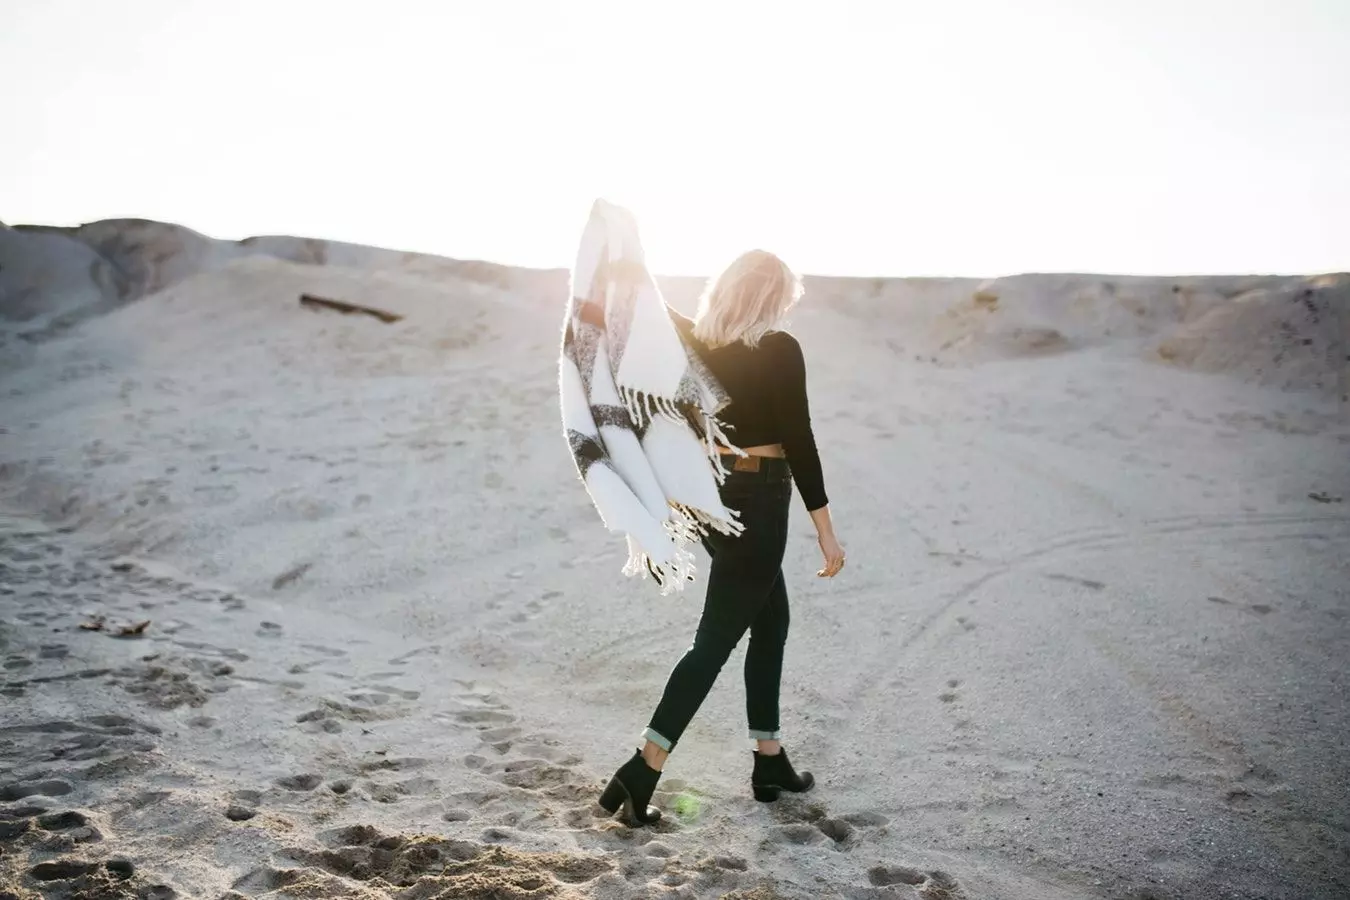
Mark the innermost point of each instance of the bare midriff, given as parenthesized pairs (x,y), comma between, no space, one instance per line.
(773,451)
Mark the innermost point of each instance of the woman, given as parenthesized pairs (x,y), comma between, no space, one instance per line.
(763,371)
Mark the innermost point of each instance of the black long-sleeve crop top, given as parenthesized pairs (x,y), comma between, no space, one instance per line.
(767,386)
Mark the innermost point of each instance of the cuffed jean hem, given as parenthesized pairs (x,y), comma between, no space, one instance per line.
(765,735)
(657,738)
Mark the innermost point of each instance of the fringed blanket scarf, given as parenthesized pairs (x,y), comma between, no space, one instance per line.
(639,407)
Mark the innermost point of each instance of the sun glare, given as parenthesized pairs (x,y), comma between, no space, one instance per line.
(976,138)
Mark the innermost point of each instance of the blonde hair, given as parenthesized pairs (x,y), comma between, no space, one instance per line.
(747,300)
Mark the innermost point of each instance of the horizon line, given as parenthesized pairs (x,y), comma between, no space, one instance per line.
(44,227)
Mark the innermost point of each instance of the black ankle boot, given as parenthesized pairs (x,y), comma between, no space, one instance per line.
(774,774)
(632,787)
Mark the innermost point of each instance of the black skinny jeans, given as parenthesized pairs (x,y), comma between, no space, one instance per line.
(745,593)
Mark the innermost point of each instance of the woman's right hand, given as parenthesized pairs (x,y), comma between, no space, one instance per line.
(829,544)
(833,552)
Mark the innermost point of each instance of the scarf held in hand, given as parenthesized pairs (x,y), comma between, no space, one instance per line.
(639,407)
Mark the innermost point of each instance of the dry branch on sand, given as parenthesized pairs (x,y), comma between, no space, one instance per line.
(312,300)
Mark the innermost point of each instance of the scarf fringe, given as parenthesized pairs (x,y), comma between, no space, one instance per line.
(703,521)
(644,407)
(686,525)
(715,435)
(672,574)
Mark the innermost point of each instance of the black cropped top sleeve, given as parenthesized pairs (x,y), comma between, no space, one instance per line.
(767,386)
(792,413)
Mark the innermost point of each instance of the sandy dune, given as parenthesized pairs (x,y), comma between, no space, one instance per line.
(1091,643)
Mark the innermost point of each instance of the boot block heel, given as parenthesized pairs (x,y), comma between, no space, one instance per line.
(766,793)
(774,774)
(614,796)
(631,789)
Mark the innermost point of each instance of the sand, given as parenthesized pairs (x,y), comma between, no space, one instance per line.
(1091,642)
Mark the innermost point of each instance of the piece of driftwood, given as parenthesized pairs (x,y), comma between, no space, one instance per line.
(344,307)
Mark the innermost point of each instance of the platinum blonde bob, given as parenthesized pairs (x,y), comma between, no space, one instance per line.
(747,300)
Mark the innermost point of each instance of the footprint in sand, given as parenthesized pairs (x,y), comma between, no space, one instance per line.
(61,870)
(302,782)
(797,834)
(485,718)
(237,812)
(950,695)
(393,793)
(841,832)
(394,764)
(48,832)
(487,714)
(555,782)
(246,797)
(883,876)
(211,650)
(15,823)
(394,692)
(867,819)
(432,650)
(168,684)
(319,720)
(935,885)
(326,651)
(812,824)
(532,609)
(499,735)
(21,789)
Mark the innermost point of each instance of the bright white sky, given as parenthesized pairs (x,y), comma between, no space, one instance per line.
(882,137)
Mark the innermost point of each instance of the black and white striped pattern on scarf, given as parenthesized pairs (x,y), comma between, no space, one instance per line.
(638,407)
